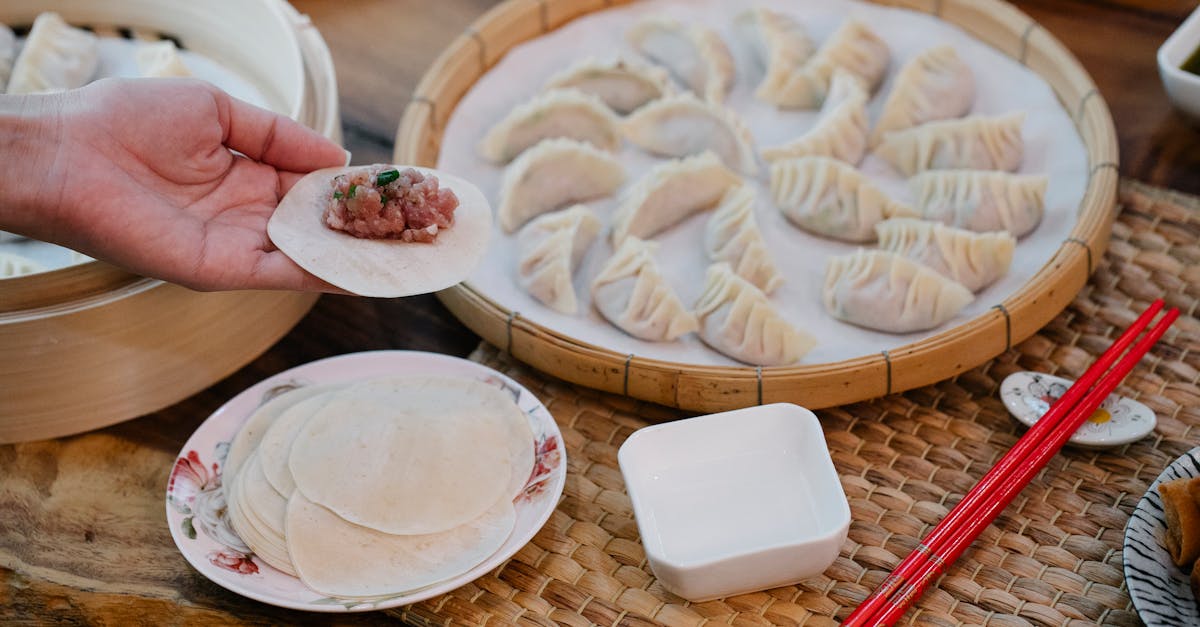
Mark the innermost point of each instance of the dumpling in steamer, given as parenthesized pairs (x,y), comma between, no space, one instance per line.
(566,113)
(827,197)
(695,54)
(853,47)
(780,45)
(552,175)
(732,235)
(738,320)
(669,193)
(620,84)
(883,291)
(682,125)
(981,201)
(549,249)
(972,143)
(974,259)
(8,54)
(12,265)
(55,57)
(841,129)
(160,59)
(934,85)
(632,294)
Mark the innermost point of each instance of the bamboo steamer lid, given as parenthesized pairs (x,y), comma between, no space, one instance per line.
(89,345)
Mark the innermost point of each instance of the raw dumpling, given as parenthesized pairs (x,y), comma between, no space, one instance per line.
(552,175)
(934,85)
(696,55)
(15,265)
(8,54)
(732,235)
(738,320)
(669,193)
(566,113)
(682,125)
(549,249)
(841,129)
(634,296)
(883,291)
(973,143)
(620,84)
(55,57)
(780,46)
(974,259)
(160,59)
(981,201)
(828,197)
(852,47)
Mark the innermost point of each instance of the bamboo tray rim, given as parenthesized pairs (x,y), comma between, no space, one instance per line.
(1038,300)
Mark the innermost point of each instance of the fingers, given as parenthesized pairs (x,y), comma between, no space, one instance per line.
(276,271)
(274,139)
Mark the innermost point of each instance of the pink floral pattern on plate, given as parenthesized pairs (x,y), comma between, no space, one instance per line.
(196,510)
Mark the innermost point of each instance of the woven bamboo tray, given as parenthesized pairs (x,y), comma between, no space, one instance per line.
(88,345)
(713,388)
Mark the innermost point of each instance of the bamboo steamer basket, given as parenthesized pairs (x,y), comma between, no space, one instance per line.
(90,345)
(719,388)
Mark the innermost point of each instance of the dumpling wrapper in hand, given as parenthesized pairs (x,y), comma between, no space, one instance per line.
(385,268)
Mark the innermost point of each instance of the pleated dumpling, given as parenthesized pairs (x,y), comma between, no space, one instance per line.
(738,320)
(827,197)
(8,54)
(981,201)
(694,54)
(549,250)
(670,192)
(853,47)
(883,291)
(632,293)
(732,235)
(160,59)
(974,259)
(619,83)
(55,57)
(972,143)
(780,46)
(568,113)
(934,85)
(841,129)
(552,175)
(12,265)
(682,125)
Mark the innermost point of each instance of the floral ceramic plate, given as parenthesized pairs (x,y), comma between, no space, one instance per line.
(196,501)
(1118,420)
(1159,589)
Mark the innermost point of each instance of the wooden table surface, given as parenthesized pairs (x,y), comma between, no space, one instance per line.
(102,553)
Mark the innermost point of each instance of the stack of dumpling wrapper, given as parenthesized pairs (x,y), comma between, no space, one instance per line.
(379,487)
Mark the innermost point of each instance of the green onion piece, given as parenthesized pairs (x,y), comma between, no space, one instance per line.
(387,176)
(382,199)
(353,187)
(337,195)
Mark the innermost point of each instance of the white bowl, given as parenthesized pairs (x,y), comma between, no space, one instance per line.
(737,501)
(1183,88)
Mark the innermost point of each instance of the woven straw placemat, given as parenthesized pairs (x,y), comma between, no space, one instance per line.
(1052,558)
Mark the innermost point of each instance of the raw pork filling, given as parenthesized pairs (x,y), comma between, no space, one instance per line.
(382,202)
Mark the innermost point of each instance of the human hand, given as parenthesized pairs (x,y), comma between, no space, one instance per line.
(143,175)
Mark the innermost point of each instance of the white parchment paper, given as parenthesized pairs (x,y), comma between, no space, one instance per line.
(1052,147)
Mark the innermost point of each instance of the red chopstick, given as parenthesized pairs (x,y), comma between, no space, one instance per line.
(997,475)
(937,562)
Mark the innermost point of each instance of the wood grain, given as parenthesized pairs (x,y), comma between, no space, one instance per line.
(83,537)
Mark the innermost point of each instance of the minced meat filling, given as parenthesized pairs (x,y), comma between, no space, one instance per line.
(382,202)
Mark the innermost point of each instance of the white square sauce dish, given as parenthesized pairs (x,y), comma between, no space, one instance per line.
(735,502)
(1178,51)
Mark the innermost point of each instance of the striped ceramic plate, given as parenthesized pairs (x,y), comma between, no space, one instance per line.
(1159,589)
